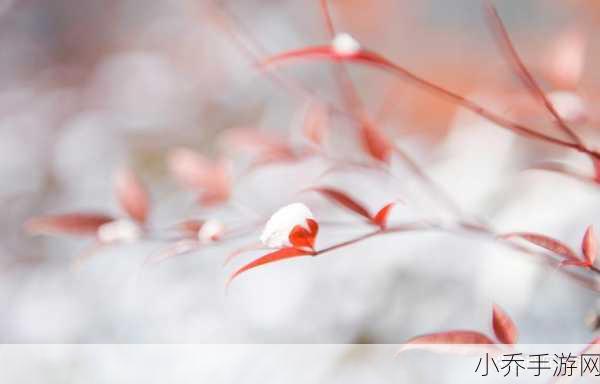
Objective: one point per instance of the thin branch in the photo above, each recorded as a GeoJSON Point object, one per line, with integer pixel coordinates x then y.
{"type": "Point", "coordinates": [480, 231]}
{"type": "Point", "coordinates": [512, 56]}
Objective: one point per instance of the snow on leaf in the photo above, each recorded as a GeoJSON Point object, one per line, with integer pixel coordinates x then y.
{"type": "Point", "coordinates": [504, 328]}
{"type": "Point", "coordinates": [342, 199]}
{"type": "Point", "coordinates": [71, 223]}
{"type": "Point", "coordinates": [545, 242]}
{"type": "Point", "coordinates": [589, 245]}
{"type": "Point", "coordinates": [132, 195]}
{"type": "Point", "coordinates": [281, 254]}
{"type": "Point", "coordinates": [381, 217]}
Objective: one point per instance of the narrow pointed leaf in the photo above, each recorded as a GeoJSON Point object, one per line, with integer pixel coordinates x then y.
{"type": "Point", "coordinates": [342, 199]}
{"type": "Point", "coordinates": [315, 124]}
{"type": "Point", "coordinates": [132, 195]}
{"type": "Point", "coordinates": [452, 342]}
{"type": "Point", "coordinates": [545, 242]}
{"type": "Point", "coordinates": [281, 254]}
{"type": "Point", "coordinates": [573, 263]}
{"type": "Point", "coordinates": [589, 245]}
{"type": "Point", "coordinates": [381, 217]}
{"type": "Point", "coordinates": [504, 328]}
{"type": "Point", "coordinates": [71, 223]}
{"type": "Point", "coordinates": [178, 248]}
{"type": "Point", "coordinates": [375, 143]}
{"type": "Point", "coordinates": [192, 170]}
{"type": "Point", "coordinates": [239, 251]}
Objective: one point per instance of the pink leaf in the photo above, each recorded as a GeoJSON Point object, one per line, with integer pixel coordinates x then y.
{"type": "Point", "coordinates": [596, 169]}
{"type": "Point", "coordinates": [454, 342]}
{"type": "Point", "coordinates": [315, 124]}
{"type": "Point", "coordinates": [255, 142]}
{"type": "Point", "coordinates": [566, 58]}
{"type": "Point", "coordinates": [189, 228]}
{"type": "Point", "coordinates": [342, 199]}
{"type": "Point", "coordinates": [192, 170]}
{"type": "Point", "coordinates": [246, 248]}
{"type": "Point", "coordinates": [375, 143]}
{"type": "Point", "coordinates": [281, 254]}
{"type": "Point", "coordinates": [381, 217]}
{"type": "Point", "coordinates": [546, 242]}
{"type": "Point", "coordinates": [132, 195]}
{"type": "Point", "coordinates": [178, 248]}
{"type": "Point", "coordinates": [504, 328]}
{"type": "Point", "coordinates": [72, 223]}
{"type": "Point", "coordinates": [589, 245]}
{"type": "Point", "coordinates": [301, 237]}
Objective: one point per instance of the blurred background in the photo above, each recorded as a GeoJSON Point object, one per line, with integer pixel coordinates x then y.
{"type": "Point", "coordinates": [86, 87]}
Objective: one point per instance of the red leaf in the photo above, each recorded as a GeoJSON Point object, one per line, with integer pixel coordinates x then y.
{"type": "Point", "coordinates": [375, 143]}
{"type": "Point", "coordinates": [504, 328]}
{"type": "Point", "coordinates": [194, 171]}
{"type": "Point", "coordinates": [458, 342]}
{"type": "Point", "coordinates": [575, 263]}
{"type": "Point", "coordinates": [342, 199]}
{"type": "Point", "coordinates": [132, 195]}
{"type": "Point", "coordinates": [72, 224]}
{"type": "Point", "coordinates": [546, 242]}
{"type": "Point", "coordinates": [301, 237]}
{"type": "Point", "coordinates": [281, 254]}
{"type": "Point", "coordinates": [326, 52]}
{"type": "Point", "coordinates": [589, 245]}
{"type": "Point", "coordinates": [381, 216]}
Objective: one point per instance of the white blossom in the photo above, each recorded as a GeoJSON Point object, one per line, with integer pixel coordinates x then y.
{"type": "Point", "coordinates": [344, 44]}
{"type": "Point", "coordinates": [210, 231]}
{"type": "Point", "coordinates": [277, 230]}
{"type": "Point", "coordinates": [123, 230]}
